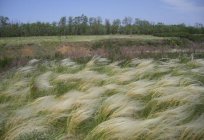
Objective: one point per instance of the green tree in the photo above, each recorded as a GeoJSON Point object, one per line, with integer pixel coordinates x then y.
{"type": "Point", "coordinates": [116, 26]}
{"type": "Point", "coordinates": [127, 23]}
{"type": "Point", "coordinates": [4, 21]}
{"type": "Point", "coordinates": [107, 26]}
{"type": "Point", "coordinates": [62, 25]}
{"type": "Point", "coordinates": [70, 25]}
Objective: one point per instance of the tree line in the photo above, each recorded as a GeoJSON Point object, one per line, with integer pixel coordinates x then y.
{"type": "Point", "coordinates": [83, 25]}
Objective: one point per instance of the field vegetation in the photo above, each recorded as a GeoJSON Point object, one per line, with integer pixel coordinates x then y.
{"type": "Point", "coordinates": [103, 99]}
{"type": "Point", "coordinates": [83, 25]}
{"type": "Point", "coordinates": [17, 51]}
{"type": "Point", "coordinates": [85, 79]}
{"type": "Point", "coordinates": [72, 38]}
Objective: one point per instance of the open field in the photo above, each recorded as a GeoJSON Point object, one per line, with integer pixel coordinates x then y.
{"type": "Point", "coordinates": [48, 46]}
{"type": "Point", "coordinates": [103, 100]}
{"type": "Point", "coordinates": [101, 88]}
{"type": "Point", "coordinates": [117, 74]}
{"type": "Point", "coordinates": [17, 51]}
{"type": "Point", "coordinates": [77, 38]}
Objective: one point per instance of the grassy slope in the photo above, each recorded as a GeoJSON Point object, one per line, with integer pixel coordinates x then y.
{"type": "Point", "coordinates": [137, 99]}
{"type": "Point", "coordinates": [41, 39]}
{"type": "Point", "coordinates": [18, 50]}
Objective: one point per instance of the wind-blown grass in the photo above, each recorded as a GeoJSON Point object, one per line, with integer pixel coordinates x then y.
{"type": "Point", "coordinates": [137, 99]}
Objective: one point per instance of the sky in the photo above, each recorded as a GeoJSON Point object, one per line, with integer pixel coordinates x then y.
{"type": "Point", "coordinates": [166, 11]}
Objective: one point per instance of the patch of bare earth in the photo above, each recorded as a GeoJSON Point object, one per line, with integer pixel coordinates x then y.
{"type": "Point", "coordinates": [100, 52]}
{"type": "Point", "coordinates": [73, 51]}
{"type": "Point", "coordinates": [27, 51]}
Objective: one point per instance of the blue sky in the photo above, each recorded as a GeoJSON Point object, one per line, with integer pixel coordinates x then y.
{"type": "Point", "coordinates": [167, 11]}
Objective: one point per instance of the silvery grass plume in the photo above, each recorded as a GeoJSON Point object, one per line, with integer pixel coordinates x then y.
{"type": "Point", "coordinates": [103, 100]}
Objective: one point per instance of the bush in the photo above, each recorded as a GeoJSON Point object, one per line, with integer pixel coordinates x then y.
{"type": "Point", "coordinates": [5, 62]}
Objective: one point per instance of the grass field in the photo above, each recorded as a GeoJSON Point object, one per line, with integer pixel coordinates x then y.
{"type": "Point", "coordinates": [15, 51]}
{"type": "Point", "coordinates": [77, 38]}
{"type": "Point", "coordinates": [94, 88]}
{"type": "Point", "coordinates": [103, 100]}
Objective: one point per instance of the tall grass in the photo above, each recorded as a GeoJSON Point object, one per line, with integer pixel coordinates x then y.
{"type": "Point", "coordinates": [136, 99]}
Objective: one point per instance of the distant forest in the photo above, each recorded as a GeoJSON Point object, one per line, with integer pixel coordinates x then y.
{"type": "Point", "coordinates": [83, 25]}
